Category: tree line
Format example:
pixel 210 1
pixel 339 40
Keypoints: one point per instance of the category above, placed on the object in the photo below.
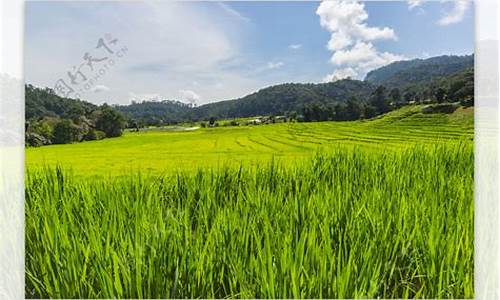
pixel 51 119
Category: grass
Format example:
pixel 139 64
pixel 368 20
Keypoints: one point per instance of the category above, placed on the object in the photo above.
pixel 158 152
pixel 366 209
pixel 342 224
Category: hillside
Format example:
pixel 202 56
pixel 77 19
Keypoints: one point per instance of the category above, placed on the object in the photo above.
pixel 437 79
pixel 42 103
pixel 51 119
pixel 163 150
pixel 283 98
pixel 401 74
pixel 154 112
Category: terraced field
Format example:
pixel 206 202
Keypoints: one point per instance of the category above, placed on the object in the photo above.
pixel 369 209
pixel 161 151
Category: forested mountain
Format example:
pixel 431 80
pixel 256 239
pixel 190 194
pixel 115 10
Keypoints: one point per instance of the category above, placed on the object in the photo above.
pixel 274 100
pixel 402 74
pixel 42 103
pixel 283 98
pixel 53 119
pixel 155 112
pixel 456 87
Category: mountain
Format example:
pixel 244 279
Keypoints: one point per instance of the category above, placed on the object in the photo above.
pixel 443 78
pixel 279 99
pixel 273 100
pixel 155 112
pixel 42 103
pixel 402 74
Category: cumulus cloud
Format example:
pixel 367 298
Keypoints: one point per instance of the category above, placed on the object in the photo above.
pixel 100 88
pixel 456 14
pixel 145 97
pixel 351 39
pixel 340 74
pixel 346 20
pixel 363 56
pixel 274 65
pixel 189 96
pixel 295 46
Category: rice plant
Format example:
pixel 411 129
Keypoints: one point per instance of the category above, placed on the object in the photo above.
pixel 345 223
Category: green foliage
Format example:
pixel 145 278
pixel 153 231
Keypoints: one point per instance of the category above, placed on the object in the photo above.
pixel 94 135
pixel 154 113
pixel 316 112
pixel 439 79
pixel 395 95
pixel 446 108
pixel 378 100
pixel 274 100
pixel 42 103
pixel 161 151
pixel 65 132
pixel 402 74
pixel 457 87
pixel 109 121
pixel 211 121
pixel 51 119
pixel 440 95
pixel 279 99
pixel 345 223
pixel 39 133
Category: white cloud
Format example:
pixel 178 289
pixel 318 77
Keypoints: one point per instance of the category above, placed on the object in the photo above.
pixel 275 65
pixel 189 96
pixel 351 39
pixel 185 42
pixel 456 14
pixel 295 46
pixel 340 74
pixel 414 3
pixel 363 57
pixel 145 97
pixel 100 88
pixel 232 12
pixel 346 20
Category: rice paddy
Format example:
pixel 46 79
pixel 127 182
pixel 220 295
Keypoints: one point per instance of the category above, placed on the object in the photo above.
pixel 162 152
pixel 366 209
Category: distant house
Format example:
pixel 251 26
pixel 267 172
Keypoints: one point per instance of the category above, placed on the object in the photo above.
pixel 257 121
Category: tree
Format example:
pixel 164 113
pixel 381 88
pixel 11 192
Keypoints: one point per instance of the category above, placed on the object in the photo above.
pixel 353 109
pixel 211 121
pixel 409 96
pixel 369 111
pixel 339 112
pixel 440 94
pixel 395 95
pixel 109 121
pixel 379 101
pixel 65 132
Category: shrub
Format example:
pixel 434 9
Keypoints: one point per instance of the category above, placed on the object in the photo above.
pixel 444 108
pixel 35 140
pixel 110 122
pixel 94 135
pixel 65 132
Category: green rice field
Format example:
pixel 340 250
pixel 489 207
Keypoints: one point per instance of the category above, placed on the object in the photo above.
pixel 162 151
pixel 367 209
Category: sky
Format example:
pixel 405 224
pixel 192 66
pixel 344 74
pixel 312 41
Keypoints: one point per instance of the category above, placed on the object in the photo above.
pixel 201 52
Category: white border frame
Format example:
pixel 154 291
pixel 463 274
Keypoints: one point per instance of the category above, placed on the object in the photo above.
pixel 487 185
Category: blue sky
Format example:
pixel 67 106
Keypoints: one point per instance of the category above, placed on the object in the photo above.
pixel 209 51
